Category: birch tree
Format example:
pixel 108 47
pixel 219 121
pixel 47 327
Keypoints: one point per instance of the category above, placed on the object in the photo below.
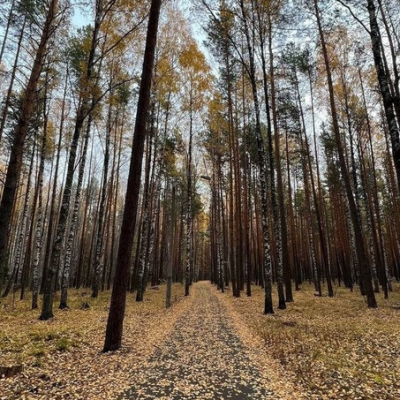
pixel 20 131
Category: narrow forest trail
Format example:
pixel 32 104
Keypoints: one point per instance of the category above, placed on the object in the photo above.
pixel 202 358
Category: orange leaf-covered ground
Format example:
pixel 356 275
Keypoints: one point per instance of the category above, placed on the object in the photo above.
pixel 62 357
pixel 335 348
pixel 319 348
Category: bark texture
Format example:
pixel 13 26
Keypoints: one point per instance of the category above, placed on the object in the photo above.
pixel 21 129
pixel 117 307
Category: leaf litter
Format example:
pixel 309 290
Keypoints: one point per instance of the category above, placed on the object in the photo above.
pixel 62 357
pixel 202 358
pixel 319 348
pixel 333 348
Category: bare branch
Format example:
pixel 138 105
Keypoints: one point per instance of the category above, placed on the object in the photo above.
pixel 354 16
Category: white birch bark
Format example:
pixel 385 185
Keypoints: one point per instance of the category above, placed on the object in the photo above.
pixel 38 233
pixel 19 255
pixel 98 267
pixel 74 219
pixel 262 162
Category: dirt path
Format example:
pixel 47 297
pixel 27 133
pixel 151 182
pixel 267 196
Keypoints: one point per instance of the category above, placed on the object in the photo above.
pixel 203 358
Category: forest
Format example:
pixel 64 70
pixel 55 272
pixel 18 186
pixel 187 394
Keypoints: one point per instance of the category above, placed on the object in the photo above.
pixel 251 143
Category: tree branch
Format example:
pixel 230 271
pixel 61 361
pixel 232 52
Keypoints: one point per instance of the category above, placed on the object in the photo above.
pixel 354 16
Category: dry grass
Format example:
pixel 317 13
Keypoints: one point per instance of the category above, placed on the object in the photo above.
pixel 336 348
pixel 62 357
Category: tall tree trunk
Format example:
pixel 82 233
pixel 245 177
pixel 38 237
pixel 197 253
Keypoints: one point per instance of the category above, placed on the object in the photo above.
pixel 20 243
pixel 39 225
pixel 292 235
pixel 100 227
pixel 383 79
pixel 218 212
pixel 247 220
pixel 277 253
pixel 145 221
pixel 39 186
pixel 11 84
pixel 5 37
pixel 74 220
pixel 355 217
pixel 310 220
pixel 53 211
pixel 115 211
pixel 318 212
pixel 393 83
pixel 118 297
pixel 232 248
pixel 319 199
pixel 82 113
pixel 21 129
pixel 374 189
pixel 283 268
pixel 262 159
pixel 189 208
pixel 170 248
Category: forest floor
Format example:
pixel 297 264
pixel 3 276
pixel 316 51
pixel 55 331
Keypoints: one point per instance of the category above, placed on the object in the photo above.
pixel 62 358
pixel 336 348
pixel 318 348
pixel 204 357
